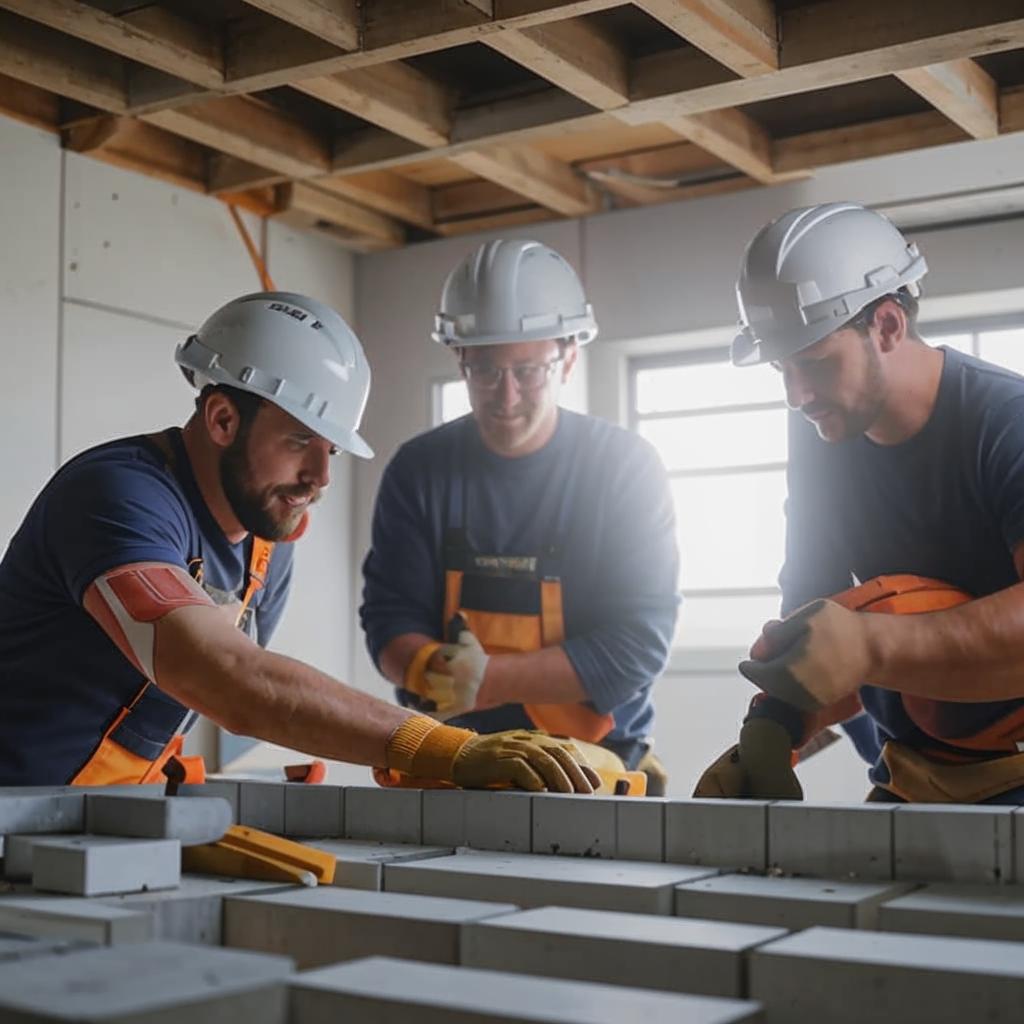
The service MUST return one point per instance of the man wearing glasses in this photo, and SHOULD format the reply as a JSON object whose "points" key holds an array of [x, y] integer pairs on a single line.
{"points": [[523, 567]]}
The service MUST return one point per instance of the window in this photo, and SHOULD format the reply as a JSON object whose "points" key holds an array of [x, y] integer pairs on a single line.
{"points": [[721, 433], [449, 400]]}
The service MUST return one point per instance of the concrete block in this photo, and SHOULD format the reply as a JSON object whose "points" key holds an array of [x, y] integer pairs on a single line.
{"points": [[530, 880], [848, 977], [953, 843], [831, 841], [973, 911], [384, 815], [95, 865], [314, 810], [721, 833], [327, 925], [786, 902], [148, 983], [194, 911], [388, 991], [261, 805], [640, 828], [190, 820], [41, 809], [670, 954], [499, 821], [361, 865], [223, 788], [581, 826], [84, 920], [444, 817], [25, 946], [18, 853]]}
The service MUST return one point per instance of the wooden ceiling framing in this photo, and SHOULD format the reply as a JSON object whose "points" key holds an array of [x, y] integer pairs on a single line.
{"points": [[390, 121]]}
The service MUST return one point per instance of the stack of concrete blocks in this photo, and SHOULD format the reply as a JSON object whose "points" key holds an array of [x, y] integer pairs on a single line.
{"points": [[482, 906]]}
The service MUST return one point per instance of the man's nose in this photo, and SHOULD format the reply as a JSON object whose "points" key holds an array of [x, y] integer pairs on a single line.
{"points": [[317, 467], [798, 394]]}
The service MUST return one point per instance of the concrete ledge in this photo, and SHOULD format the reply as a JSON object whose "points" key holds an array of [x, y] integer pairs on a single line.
{"points": [[718, 833], [953, 843]]}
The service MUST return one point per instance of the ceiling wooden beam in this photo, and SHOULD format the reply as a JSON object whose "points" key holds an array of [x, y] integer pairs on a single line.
{"points": [[575, 55], [500, 221], [809, 150], [29, 103], [302, 204], [962, 90], [741, 34], [135, 146], [395, 97], [229, 174], [152, 36], [335, 21], [732, 136], [386, 193], [533, 174], [470, 199], [251, 131], [55, 62]]}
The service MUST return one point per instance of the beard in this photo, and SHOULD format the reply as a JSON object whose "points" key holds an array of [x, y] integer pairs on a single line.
{"points": [[257, 510], [857, 418]]}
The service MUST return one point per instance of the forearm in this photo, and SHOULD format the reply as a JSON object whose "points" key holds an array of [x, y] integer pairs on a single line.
{"points": [[973, 652], [395, 657], [534, 677]]}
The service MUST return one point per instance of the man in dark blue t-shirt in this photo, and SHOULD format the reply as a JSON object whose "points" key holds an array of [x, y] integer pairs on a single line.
{"points": [[906, 478], [150, 571], [523, 569]]}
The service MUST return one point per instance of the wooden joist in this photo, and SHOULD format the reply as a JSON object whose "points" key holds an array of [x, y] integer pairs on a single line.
{"points": [[334, 21], [307, 206], [733, 137], [962, 90], [385, 192]]}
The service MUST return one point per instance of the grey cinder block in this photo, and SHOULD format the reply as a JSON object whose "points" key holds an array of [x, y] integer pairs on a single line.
{"points": [[223, 788], [720, 833], [261, 806], [314, 810], [147, 984], [848, 977], [40, 809], [190, 820], [670, 954], [389, 991], [582, 826], [972, 911], [360, 865], [831, 841], [786, 902], [95, 865], [444, 817], [193, 912], [328, 925], [384, 815], [25, 946], [500, 821], [953, 843], [18, 853], [640, 828], [83, 920], [532, 880]]}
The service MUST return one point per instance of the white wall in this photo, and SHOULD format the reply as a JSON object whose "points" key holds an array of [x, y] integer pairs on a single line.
{"points": [[664, 275], [104, 272]]}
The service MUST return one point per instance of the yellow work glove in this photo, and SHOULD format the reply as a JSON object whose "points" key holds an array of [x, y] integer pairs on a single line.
{"points": [[425, 749], [817, 656], [759, 767], [450, 675]]}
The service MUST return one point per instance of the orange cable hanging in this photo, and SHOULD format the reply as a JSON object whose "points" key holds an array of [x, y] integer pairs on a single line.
{"points": [[257, 260]]}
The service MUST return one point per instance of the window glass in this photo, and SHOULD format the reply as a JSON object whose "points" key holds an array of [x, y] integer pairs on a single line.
{"points": [[1005, 348], [705, 386], [719, 439]]}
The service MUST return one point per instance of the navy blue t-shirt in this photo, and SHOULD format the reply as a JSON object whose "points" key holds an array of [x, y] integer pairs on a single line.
{"points": [[596, 491], [62, 680], [948, 503]]}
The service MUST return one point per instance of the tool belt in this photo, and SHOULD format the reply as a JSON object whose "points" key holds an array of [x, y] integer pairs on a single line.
{"points": [[917, 778]]}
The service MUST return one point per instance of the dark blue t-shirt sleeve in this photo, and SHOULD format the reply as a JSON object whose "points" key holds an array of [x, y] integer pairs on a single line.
{"points": [[1001, 452], [102, 514], [635, 602], [271, 608], [401, 592]]}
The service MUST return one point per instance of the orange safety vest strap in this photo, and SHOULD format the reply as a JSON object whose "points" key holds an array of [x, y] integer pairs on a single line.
{"points": [[259, 567]]}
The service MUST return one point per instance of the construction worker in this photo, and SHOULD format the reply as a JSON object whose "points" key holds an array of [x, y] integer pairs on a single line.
{"points": [[906, 472], [523, 569], [122, 592]]}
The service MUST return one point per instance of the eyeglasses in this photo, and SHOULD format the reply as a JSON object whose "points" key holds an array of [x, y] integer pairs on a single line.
{"points": [[528, 376]]}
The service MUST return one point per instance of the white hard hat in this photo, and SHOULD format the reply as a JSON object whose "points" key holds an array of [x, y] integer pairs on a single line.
{"points": [[811, 271], [291, 350], [513, 290]]}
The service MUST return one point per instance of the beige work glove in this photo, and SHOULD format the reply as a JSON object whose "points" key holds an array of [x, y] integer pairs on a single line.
{"points": [[759, 767], [422, 748], [454, 675], [816, 657]]}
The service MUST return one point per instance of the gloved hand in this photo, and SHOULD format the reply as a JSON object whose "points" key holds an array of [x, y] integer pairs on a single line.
{"points": [[422, 748], [454, 675], [759, 767], [817, 656]]}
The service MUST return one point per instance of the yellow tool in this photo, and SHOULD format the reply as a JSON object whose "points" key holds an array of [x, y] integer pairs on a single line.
{"points": [[248, 853]]}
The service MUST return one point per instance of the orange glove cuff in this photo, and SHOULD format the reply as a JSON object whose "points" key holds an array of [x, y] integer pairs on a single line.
{"points": [[425, 748], [413, 679]]}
